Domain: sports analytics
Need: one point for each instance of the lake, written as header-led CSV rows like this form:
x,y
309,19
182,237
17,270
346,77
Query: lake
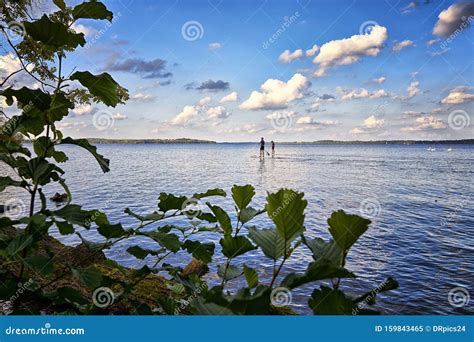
x,y
421,202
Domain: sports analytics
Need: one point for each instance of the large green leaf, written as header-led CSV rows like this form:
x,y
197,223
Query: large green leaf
x,y
228,273
74,214
271,243
111,231
39,263
242,195
102,86
222,217
91,10
328,301
209,193
171,202
53,33
7,181
369,297
64,227
60,106
210,309
103,162
248,213
169,241
234,246
90,276
22,124
286,209
319,270
251,276
346,229
324,250
199,250
27,97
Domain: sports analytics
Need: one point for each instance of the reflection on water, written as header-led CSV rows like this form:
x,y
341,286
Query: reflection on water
x,y
423,234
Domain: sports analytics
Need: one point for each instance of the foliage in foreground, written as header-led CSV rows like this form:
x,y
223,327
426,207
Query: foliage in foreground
x,y
24,252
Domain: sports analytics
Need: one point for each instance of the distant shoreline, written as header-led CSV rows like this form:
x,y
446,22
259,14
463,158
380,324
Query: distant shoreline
x,y
318,142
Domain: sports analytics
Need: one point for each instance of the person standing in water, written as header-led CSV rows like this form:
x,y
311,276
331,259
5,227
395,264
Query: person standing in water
x,y
262,148
273,148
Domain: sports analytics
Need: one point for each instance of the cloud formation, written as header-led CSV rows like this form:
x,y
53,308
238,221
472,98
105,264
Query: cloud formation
x,y
370,124
276,94
287,56
146,69
230,98
214,46
361,93
402,45
425,123
211,85
350,50
379,80
458,95
455,17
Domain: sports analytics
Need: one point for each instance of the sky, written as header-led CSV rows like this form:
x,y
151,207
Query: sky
x,y
300,70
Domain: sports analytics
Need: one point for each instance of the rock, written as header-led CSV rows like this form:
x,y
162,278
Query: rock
x,y
195,267
59,197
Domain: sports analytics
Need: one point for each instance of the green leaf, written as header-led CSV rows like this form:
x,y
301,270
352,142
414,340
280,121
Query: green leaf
x,y
60,106
168,305
60,3
103,162
27,97
150,217
234,246
91,10
74,214
369,297
102,86
53,33
209,193
170,202
346,229
90,276
247,214
324,250
70,295
207,309
251,276
232,272
207,217
139,252
169,241
7,181
319,270
222,217
271,243
40,264
242,195
64,227
329,301
18,244
200,251
286,209
111,231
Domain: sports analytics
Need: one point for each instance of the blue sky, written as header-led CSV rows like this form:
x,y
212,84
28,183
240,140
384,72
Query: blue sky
x,y
400,76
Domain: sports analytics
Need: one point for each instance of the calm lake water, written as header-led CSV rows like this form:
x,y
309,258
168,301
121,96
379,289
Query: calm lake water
x,y
423,234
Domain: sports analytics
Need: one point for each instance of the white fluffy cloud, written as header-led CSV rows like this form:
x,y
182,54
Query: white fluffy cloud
x,y
142,97
218,112
214,46
119,116
370,124
425,123
188,113
287,56
276,94
230,98
311,52
200,112
413,89
379,80
402,45
458,95
87,30
308,120
350,50
455,17
82,109
361,93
